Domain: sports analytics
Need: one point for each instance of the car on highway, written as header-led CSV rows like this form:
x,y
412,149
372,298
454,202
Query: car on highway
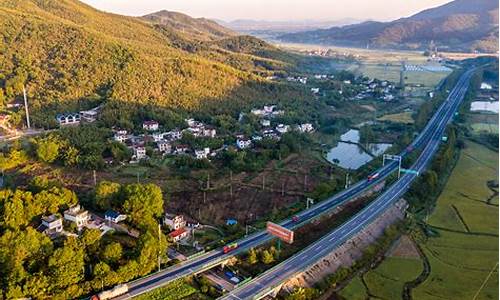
x,y
230,247
295,219
373,177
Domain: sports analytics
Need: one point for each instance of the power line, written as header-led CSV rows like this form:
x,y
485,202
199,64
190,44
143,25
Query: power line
x,y
485,281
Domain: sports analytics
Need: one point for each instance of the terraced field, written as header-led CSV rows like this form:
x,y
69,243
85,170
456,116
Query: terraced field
x,y
466,220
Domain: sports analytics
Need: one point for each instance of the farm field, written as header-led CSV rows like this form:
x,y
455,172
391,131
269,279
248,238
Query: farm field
x,y
386,281
176,290
404,117
465,249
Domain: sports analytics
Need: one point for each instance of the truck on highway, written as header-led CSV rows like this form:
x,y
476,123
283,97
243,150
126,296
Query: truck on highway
x,y
373,176
114,292
230,247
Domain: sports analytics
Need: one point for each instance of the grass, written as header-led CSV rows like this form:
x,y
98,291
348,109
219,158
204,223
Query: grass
x,y
485,127
179,289
387,280
392,72
460,260
404,117
355,290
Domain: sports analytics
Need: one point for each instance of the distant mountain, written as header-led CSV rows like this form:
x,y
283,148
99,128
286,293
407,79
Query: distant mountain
x,y
466,25
245,26
199,28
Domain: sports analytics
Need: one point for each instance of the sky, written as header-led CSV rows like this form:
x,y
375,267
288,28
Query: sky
x,y
273,10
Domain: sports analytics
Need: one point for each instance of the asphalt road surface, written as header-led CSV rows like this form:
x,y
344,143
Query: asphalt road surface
x,y
214,257
263,284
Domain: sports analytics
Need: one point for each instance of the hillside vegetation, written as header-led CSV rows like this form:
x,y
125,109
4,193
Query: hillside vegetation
x,y
65,51
467,25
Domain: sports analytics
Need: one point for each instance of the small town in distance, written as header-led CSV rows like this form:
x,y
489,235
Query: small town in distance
x,y
218,151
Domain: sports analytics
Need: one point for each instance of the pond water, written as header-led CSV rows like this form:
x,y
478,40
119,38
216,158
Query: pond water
x,y
351,156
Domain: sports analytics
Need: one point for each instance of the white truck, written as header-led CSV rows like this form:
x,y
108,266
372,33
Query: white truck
x,y
114,292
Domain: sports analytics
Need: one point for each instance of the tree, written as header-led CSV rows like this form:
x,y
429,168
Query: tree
x,y
106,194
70,156
143,203
252,257
47,149
90,240
112,253
266,257
37,286
66,264
101,270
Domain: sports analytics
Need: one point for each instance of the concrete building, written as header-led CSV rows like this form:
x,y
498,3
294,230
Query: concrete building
x,y
51,224
282,128
68,119
201,154
150,125
139,152
114,216
77,215
179,234
174,222
164,147
243,143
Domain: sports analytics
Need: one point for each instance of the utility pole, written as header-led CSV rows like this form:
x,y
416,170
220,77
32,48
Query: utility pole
x,y
159,250
231,183
137,177
309,201
283,189
26,108
305,182
95,178
346,180
263,181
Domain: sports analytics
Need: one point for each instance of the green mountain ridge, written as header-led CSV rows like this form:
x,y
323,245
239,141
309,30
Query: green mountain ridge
x,y
65,51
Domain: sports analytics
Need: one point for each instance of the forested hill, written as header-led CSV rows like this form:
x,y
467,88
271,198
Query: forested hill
x,y
465,25
64,51
197,28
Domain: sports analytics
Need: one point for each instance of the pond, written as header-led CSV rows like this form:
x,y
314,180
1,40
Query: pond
x,y
349,155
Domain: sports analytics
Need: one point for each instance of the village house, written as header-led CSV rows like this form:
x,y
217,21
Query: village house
x,y
158,136
243,143
122,138
306,127
139,152
114,216
175,135
209,132
51,224
77,215
181,149
282,128
315,90
267,111
164,147
68,119
174,222
265,122
201,154
89,116
179,234
150,125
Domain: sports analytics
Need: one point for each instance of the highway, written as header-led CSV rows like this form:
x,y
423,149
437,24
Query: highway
x,y
214,257
266,282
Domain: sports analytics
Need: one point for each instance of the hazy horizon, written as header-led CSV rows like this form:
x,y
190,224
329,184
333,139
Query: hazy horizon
x,y
300,10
